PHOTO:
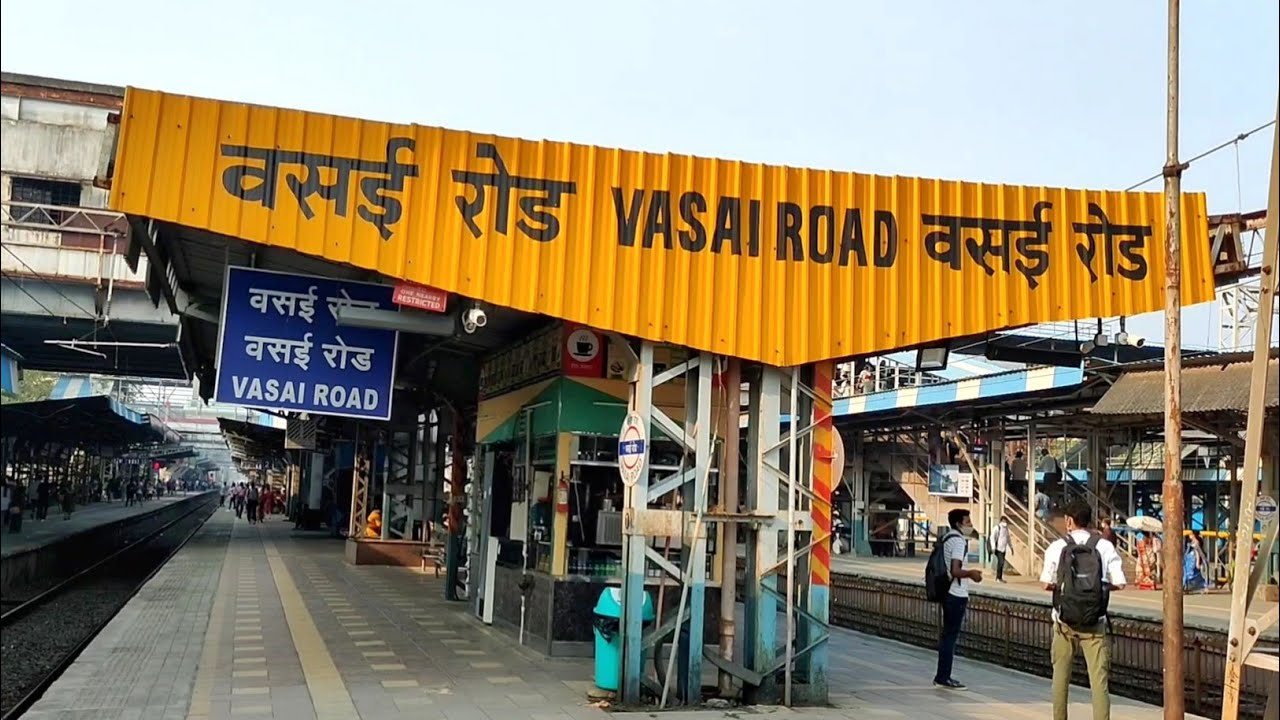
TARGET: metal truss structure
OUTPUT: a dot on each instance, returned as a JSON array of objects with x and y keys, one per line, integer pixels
[
  {"x": 786, "y": 519},
  {"x": 1239, "y": 236},
  {"x": 398, "y": 512},
  {"x": 45, "y": 228}
]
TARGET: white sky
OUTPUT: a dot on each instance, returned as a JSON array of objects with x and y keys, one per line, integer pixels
[{"x": 1059, "y": 94}]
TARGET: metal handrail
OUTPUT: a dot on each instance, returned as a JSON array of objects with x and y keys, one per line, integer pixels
[
  {"x": 44, "y": 217},
  {"x": 1045, "y": 532},
  {"x": 1123, "y": 543}
]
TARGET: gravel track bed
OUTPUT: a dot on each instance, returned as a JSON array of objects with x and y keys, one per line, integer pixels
[{"x": 34, "y": 645}]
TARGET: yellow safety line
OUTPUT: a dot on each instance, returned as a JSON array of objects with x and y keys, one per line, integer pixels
[
  {"x": 329, "y": 694},
  {"x": 202, "y": 692}
]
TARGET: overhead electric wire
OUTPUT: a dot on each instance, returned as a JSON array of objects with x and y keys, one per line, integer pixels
[
  {"x": 28, "y": 294},
  {"x": 45, "y": 280},
  {"x": 1206, "y": 153}
]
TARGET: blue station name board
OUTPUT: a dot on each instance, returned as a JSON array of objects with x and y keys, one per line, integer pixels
[{"x": 280, "y": 346}]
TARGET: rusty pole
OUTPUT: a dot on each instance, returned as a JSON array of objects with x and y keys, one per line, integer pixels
[
  {"x": 729, "y": 499},
  {"x": 1174, "y": 696}
]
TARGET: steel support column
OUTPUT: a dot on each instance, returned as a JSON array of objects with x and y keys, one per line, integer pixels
[
  {"x": 637, "y": 499},
  {"x": 699, "y": 427},
  {"x": 457, "y": 502},
  {"x": 763, "y": 490},
  {"x": 824, "y": 476}
]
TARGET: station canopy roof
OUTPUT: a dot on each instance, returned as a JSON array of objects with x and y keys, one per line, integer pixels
[
  {"x": 774, "y": 264},
  {"x": 83, "y": 421},
  {"x": 253, "y": 443},
  {"x": 173, "y": 452},
  {"x": 1210, "y": 386}
]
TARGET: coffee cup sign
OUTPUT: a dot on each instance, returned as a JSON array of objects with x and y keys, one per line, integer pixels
[{"x": 583, "y": 352}]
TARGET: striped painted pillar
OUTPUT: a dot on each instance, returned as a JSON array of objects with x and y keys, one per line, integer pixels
[{"x": 815, "y": 665}]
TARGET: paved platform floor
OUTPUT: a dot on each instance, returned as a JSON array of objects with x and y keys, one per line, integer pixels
[
  {"x": 38, "y": 533},
  {"x": 254, "y": 621},
  {"x": 1205, "y": 610}
]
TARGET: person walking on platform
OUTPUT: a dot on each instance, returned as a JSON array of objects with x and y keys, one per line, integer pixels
[
  {"x": 955, "y": 551},
  {"x": 222, "y": 496},
  {"x": 1081, "y": 569},
  {"x": 43, "y": 492},
  {"x": 17, "y": 504},
  {"x": 251, "y": 501},
  {"x": 1000, "y": 546},
  {"x": 68, "y": 501}
]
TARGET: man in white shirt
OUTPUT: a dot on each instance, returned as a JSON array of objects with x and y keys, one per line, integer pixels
[
  {"x": 955, "y": 550},
  {"x": 1000, "y": 542},
  {"x": 1049, "y": 468},
  {"x": 1092, "y": 641}
]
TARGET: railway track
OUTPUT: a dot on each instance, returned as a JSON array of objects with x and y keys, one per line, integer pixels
[{"x": 40, "y": 636}]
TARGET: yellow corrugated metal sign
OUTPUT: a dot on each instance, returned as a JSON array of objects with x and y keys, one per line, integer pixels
[{"x": 776, "y": 264}]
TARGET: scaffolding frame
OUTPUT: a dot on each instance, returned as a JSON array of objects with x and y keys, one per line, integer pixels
[{"x": 788, "y": 504}]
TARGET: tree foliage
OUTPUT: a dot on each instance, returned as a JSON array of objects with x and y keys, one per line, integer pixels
[{"x": 35, "y": 385}]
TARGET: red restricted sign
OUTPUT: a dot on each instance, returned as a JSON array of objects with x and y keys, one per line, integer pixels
[{"x": 420, "y": 297}]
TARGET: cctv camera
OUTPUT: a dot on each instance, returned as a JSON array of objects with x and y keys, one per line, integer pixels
[
  {"x": 473, "y": 319},
  {"x": 1124, "y": 338}
]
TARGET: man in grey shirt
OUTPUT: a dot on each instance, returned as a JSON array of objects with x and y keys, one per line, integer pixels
[{"x": 955, "y": 550}]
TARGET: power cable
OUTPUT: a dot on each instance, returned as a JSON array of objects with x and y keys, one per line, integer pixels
[
  {"x": 43, "y": 279},
  {"x": 1206, "y": 153},
  {"x": 26, "y": 292}
]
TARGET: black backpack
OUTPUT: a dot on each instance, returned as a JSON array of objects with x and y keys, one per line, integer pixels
[
  {"x": 1081, "y": 595},
  {"x": 937, "y": 573}
]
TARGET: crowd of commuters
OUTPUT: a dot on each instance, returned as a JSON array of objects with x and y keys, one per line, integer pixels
[{"x": 252, "y": 500}]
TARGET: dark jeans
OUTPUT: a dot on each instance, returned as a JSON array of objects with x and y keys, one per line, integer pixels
[
  {"x": 999, "y": 564},
  {"x": 952, "y": 618},
  {"x": 251, "y": 508}
]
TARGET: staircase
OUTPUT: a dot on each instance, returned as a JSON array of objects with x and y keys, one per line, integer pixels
[
  {"x": 1074, "y": 489},
  {"x": 898, "y": 478},
  {"x": 1023, "y": 557}
]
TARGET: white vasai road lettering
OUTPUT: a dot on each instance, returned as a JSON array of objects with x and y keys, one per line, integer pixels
[{"x": 289, "y": 391}]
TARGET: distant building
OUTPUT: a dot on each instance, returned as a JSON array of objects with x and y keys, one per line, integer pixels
[{"x": 70, "y": 301}]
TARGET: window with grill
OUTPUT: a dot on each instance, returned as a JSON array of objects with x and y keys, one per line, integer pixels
[{"x": 40, "y": 191}]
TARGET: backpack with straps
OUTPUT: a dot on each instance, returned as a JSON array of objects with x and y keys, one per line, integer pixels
[
  {"x": 1081, "y": 595},
  {"x": 937, "y": 573}
]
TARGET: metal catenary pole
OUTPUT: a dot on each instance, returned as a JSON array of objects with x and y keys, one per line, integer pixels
[
  {"x": 1243, "y": 632},
  {"x": 792, "y": 478},
  {"x": 732, "y": 379},
  {"x": 1174, "y": 695}
]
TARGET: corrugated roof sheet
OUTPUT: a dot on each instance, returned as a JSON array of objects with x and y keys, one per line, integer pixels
[
  {"x": 1205, "y": 389},
  {"x": 776, "y": 264}
]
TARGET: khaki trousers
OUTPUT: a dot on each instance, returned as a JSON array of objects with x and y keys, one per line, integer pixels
[{"x": 1096, "y": 645}]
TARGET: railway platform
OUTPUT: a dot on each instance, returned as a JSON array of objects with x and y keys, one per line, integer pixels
[
  {"x": 1208, "y": 611},
  {"x": 39, "y": 533},
  {"x": 255, "y": 621}
]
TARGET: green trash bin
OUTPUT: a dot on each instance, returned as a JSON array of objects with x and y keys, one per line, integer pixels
[{"x": 607, "y": 620}]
